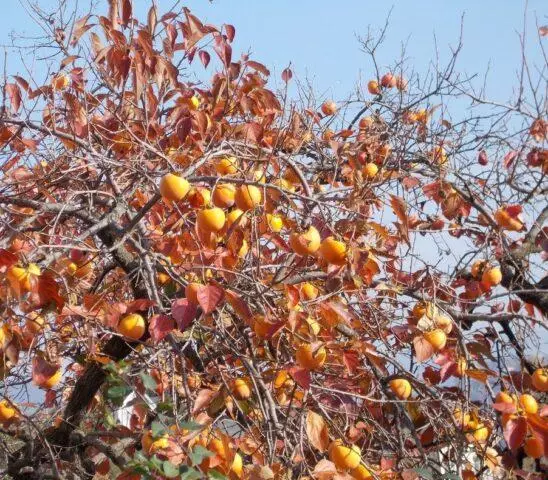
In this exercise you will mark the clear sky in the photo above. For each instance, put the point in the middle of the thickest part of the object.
(319, 37)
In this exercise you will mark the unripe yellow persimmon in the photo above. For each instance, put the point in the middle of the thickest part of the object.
(333, 251)
(344, 458)
(401, 388)
(132, 326)
(248, 197)
(309, 359)
(275, 222)
(173, 187)
(211, 219)
(373, 87)
(305, 243)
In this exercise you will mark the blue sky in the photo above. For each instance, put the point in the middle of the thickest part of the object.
(319, 37)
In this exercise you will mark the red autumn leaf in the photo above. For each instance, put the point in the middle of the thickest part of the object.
(316, 430)
(514, 432)
(42, 370)
(239, 305)
(203, 399)
(509, 158)
(127, 12)
(423, 349)
(184, 312)
(351, 361)
(230, 31)
(209, 297)
(287, 75)
(7, 259)
(139, 305)
(223, 50)
(14, 94)
(45, 290)
(259, 67)
(160, 326)
(482, 158)
(49, 400)
(301, 376)
(205, 57)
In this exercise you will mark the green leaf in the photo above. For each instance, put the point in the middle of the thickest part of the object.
(425, 473)
(118, 392)
(190, 426)
(190, 474)
(164, 407)
(170, 470)
(157, 429)
(148, 381)
(198, 455)
(216, 475)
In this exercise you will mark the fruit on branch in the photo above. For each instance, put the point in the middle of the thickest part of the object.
(227, 166)
(173, 187)
(388, 80)
(310, 357)
(505, 397)
(491, 277)
(361, 473)
(366, 122)
(444, 323)
(373, 87)
(539, 379)
(241, 389)
(533, 447)
(248, 197)
(329, 107)
(528, 403)
(480, 431)
(7, 411)
(305, 243)
(211, 219)
(308, 291)
(439, 155)
(370, 170)
(275, 222)
(401, 388)
(437, 338)
(223, 195)
(333, 251)
(344, 458)
(132, 326)
(401, 83)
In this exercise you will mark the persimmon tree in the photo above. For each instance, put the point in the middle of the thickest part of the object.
(325, 290)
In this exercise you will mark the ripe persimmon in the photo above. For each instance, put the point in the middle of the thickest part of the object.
(344, 458)
(437, 338)
(491, 277)
(248, 197)
(211, 219)
(401, 388)
(223, 195)
(308, 358)
(539, 379)
(132, 326)
(173, 187)
(305, 243)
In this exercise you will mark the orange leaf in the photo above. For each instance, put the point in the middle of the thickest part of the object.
(316, 429)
